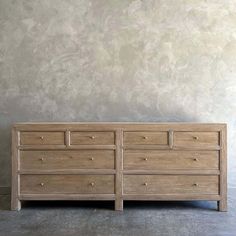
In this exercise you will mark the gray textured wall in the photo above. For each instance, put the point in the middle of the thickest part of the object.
(117, 60)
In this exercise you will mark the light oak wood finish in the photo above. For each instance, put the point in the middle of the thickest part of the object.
(173, 172)
(146, 138)
(42, 138)
(68, 196)
(171, 197)
(171, 184)
(222, 204)
(119, 169)
(87, 138)
(169, 159)
(78, 184)
(69, 159)
(196, 139)
(69, 171)
(62, 147)
(15, 179)
(119, 161)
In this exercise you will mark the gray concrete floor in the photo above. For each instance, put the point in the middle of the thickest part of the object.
(99, 218)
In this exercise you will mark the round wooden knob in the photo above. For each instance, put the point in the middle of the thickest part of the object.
(92, 184)
(42, 184)
(145, 137)
(92, 159)
(195, 184)
(195, 159)
(92, 137)
(41, 159)
(145, 159)
(41, 137)
(195, 137)
(145, 184)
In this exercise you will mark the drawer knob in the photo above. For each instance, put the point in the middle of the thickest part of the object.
(41, 137)
(92, 184)
(195, 159)
(92, 158)
(145, 159)
(195, 184)
(41, 159)
(145, 137)
(41, 184)
(145, 184)
(92, 137)
(195, 137)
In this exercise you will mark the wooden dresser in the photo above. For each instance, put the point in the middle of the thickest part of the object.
(119, 161)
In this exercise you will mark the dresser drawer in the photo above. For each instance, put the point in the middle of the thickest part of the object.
(196, 139)
(79, 159)
(146, 138)
(166, 159)
(42, 138)
(97, 138)
(80, 184)
(171, 184)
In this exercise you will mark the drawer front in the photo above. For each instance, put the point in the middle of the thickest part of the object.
(196, 139)
(146, 138)
(80, 184)
(159, 160)
(42, 138)
(171, 184)
(97, 138)
(79, 159)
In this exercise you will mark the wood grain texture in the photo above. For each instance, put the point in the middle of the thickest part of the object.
(159, 160)
(62, 147)
(126, 126)
(67, 196)
(70, 159)
(172, 172)
(222, 204)
(119, 168)
(90, 138)
(42, 138)
(119, 161)
(146, 138)
(68, 171)
(67, 138)
(15, 202)
(171, 197)
(170, 184)
(196, 139)
(78, 184)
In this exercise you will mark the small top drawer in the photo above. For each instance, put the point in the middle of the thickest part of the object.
(96, 138)
(42, 138)
(151, 138)
(196, 139)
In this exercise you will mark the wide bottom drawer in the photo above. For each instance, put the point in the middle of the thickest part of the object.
(80, 184)
(171, 184)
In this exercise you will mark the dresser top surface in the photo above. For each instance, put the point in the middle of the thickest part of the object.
(119, 123)
(181, 126)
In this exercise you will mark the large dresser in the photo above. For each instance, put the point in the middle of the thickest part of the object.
(119, 161)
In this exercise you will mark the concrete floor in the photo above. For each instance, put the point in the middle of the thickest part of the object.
(138, 218)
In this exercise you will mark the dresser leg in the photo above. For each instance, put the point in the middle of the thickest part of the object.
(222, 205)
(119, 205)
(15, 205)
